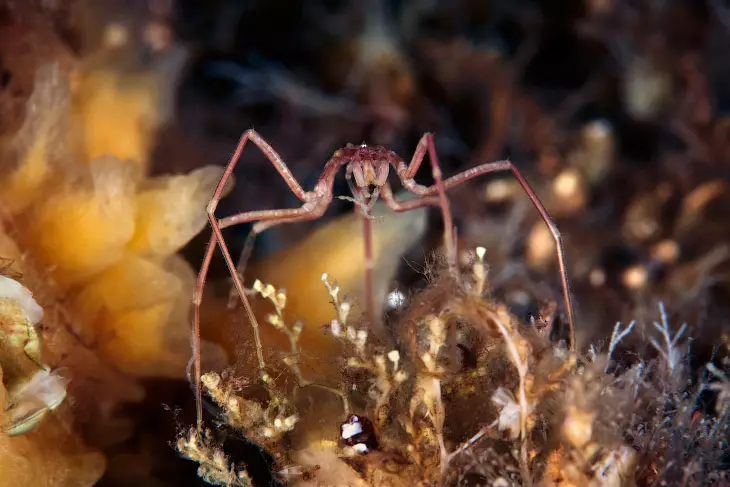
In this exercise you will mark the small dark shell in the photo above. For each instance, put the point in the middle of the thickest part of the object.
(359, 433)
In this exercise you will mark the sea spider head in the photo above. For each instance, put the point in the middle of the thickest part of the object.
(369, 165)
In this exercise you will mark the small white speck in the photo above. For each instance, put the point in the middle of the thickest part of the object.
(498, 191)
(396, 299)
(394, 357)
(566, 184)
(290, 421)
(481, 252)
(597, 277)
(400, 376)
(336, 328)
(298, 327)
(350, 429)
(116, 35)
(361, 448)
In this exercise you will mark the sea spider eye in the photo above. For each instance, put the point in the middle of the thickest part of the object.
(359, 433)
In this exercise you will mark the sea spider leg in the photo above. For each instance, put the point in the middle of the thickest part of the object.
(363, 209)
(315, 202)
(406, 174)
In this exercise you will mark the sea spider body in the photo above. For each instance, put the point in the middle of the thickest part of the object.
(368, 166)
(366, 170)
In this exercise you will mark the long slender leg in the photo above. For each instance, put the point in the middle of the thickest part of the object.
(308, 211)
(248, 246)
(406, 174)
(407, 205)
(367, 229)
(559, 247)
(273, 218)
(449, 235)
(285, 173)
(364, 210)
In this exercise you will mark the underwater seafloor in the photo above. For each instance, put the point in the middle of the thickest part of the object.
(116, 120)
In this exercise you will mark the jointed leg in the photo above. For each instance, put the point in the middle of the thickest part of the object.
(559, 248)
(269, 218)
(413, 204)
(449, 231)
(367, 233)
(406, 174)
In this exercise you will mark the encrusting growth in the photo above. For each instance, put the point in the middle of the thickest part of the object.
(399, 403)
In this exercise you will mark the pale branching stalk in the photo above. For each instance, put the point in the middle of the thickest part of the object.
(464, 447)
(276, 319)
(592, 354)
(343, 307)
(447, 458)
(215, 468)
(524, 406)
(479, 270)
(430, 383)
(259, 424)
(669, 351)
(511, 411)
(615, 468)
(385, 378)
(278, 299)
(616, 337)
(509, 418)
(239, 412)
(722, 387)
(636, 376)
(427, 388)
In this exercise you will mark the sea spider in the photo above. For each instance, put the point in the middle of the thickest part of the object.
(366, 167)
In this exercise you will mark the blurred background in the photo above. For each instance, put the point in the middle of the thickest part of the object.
(616, 111)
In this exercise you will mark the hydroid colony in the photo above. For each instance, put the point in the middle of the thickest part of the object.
(467, 394)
